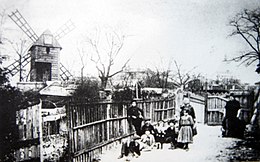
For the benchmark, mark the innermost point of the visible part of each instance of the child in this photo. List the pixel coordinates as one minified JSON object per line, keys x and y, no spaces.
{"x":147,"y":141}
{"x":171,"y":135}
{"x":160,"y":134}
{"x":185,"y":134}
{"x":131,"y":147}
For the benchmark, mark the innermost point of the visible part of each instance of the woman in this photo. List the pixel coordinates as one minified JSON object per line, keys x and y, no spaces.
{"x":185,"y":134}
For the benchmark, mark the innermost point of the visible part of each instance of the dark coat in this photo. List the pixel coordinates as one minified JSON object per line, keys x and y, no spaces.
{"x":134,"y":112}
{"x":170,"y":132}
{"x":148,"y":127}
{"x":232,"y":108}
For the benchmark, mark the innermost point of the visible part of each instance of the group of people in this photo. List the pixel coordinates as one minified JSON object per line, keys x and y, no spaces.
{"x":178,"y":132}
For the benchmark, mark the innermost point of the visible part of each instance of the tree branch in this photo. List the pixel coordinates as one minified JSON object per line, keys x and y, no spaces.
{"x":122,"y":68}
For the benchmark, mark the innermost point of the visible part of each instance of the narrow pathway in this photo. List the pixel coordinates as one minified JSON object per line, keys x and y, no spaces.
{"x":208,"y":146}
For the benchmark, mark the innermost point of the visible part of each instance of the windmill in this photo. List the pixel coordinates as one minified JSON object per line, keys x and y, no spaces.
{"x":44,"y":53}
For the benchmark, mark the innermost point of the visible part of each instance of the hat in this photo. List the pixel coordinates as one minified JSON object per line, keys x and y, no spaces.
{"x":186,"y":101}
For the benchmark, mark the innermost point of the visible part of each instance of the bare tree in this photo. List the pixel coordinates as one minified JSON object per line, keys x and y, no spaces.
{"x":181,"y":78}
{"x":83,"y":57}
{"x":126,"y":77}
{"x":158,"y":78}
{"x":246,"y":24}
{"x":163,"y":75}
{"x":20,"y":48}
{"x":195,"y":84}
{"x":104,"y":57}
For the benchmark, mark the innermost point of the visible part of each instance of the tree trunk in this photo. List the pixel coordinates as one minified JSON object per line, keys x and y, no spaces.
{"x":103,"y":82}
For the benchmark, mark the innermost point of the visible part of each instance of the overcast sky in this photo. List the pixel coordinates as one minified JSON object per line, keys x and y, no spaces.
{"x":192,"y":32}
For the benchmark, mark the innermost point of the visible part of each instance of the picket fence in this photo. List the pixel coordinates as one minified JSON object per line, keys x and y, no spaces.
{"x":215,"y":110}
{"x":96,"y":127}
{"x":27,"y":147}
{"x":216,"y":107}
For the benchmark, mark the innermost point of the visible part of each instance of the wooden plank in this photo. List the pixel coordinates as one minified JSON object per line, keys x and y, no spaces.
{"x":101,"y":124}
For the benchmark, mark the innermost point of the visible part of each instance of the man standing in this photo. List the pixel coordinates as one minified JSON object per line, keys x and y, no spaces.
{"x":231,"y":122}
{"x":135,"y":117}
{"x":232,"y":107}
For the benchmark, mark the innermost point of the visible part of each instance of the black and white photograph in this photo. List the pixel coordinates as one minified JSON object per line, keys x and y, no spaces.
{"x":129,"y":81}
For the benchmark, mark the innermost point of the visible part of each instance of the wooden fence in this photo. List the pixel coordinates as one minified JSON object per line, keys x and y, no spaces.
{"x":158,"y":109}
{"x":42,"y":133}
{"x":215,"y":110}
{"x":28,"y":144}
{"x":96,"y":127}
{"x":246,"y":100}
{"x":216,"y":107}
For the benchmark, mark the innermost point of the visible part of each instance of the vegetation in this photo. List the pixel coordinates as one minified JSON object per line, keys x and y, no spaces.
{"x":11,"y":100}
{"x":246,"y":25}
{"x":3,"y":76}
{"x":105,"y":49}
{"x":123,"y":95}
{"x":87,"y":90}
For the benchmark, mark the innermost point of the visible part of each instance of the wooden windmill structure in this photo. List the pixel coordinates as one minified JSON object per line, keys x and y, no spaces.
{"x":43,"y":54}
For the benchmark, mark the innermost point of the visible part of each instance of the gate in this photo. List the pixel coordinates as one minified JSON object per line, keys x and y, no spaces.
{"x":27,"y":147}
{"x":216,"y":107}
{"x":215,"y":110}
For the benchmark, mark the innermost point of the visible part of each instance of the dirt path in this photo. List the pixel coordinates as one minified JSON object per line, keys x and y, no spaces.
{"x":208,"y":146}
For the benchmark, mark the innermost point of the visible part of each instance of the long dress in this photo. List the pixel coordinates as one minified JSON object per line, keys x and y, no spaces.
{"x":185,"y":133}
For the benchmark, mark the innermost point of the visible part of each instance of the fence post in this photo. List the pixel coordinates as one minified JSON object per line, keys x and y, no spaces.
{"x":107,"y":121}
{"x":206,"y":109}
{"x":40,"y":131}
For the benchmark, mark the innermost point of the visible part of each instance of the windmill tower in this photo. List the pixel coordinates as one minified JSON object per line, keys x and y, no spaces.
{"x":45,"y":58}
{"x":44,"y":53}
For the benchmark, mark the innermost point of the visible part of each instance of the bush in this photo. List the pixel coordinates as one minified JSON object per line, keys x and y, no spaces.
{"x":12,"y":100}
{"x":123,"y":95}
{"x":87,"y":90}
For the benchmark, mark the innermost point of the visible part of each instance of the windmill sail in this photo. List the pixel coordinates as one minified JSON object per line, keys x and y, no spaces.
{"x":22,"y":23}
{"x":19,"y":65}
{"x":16,"y":66}
{"x":65,"y":74}
{"x":64,"y":29}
